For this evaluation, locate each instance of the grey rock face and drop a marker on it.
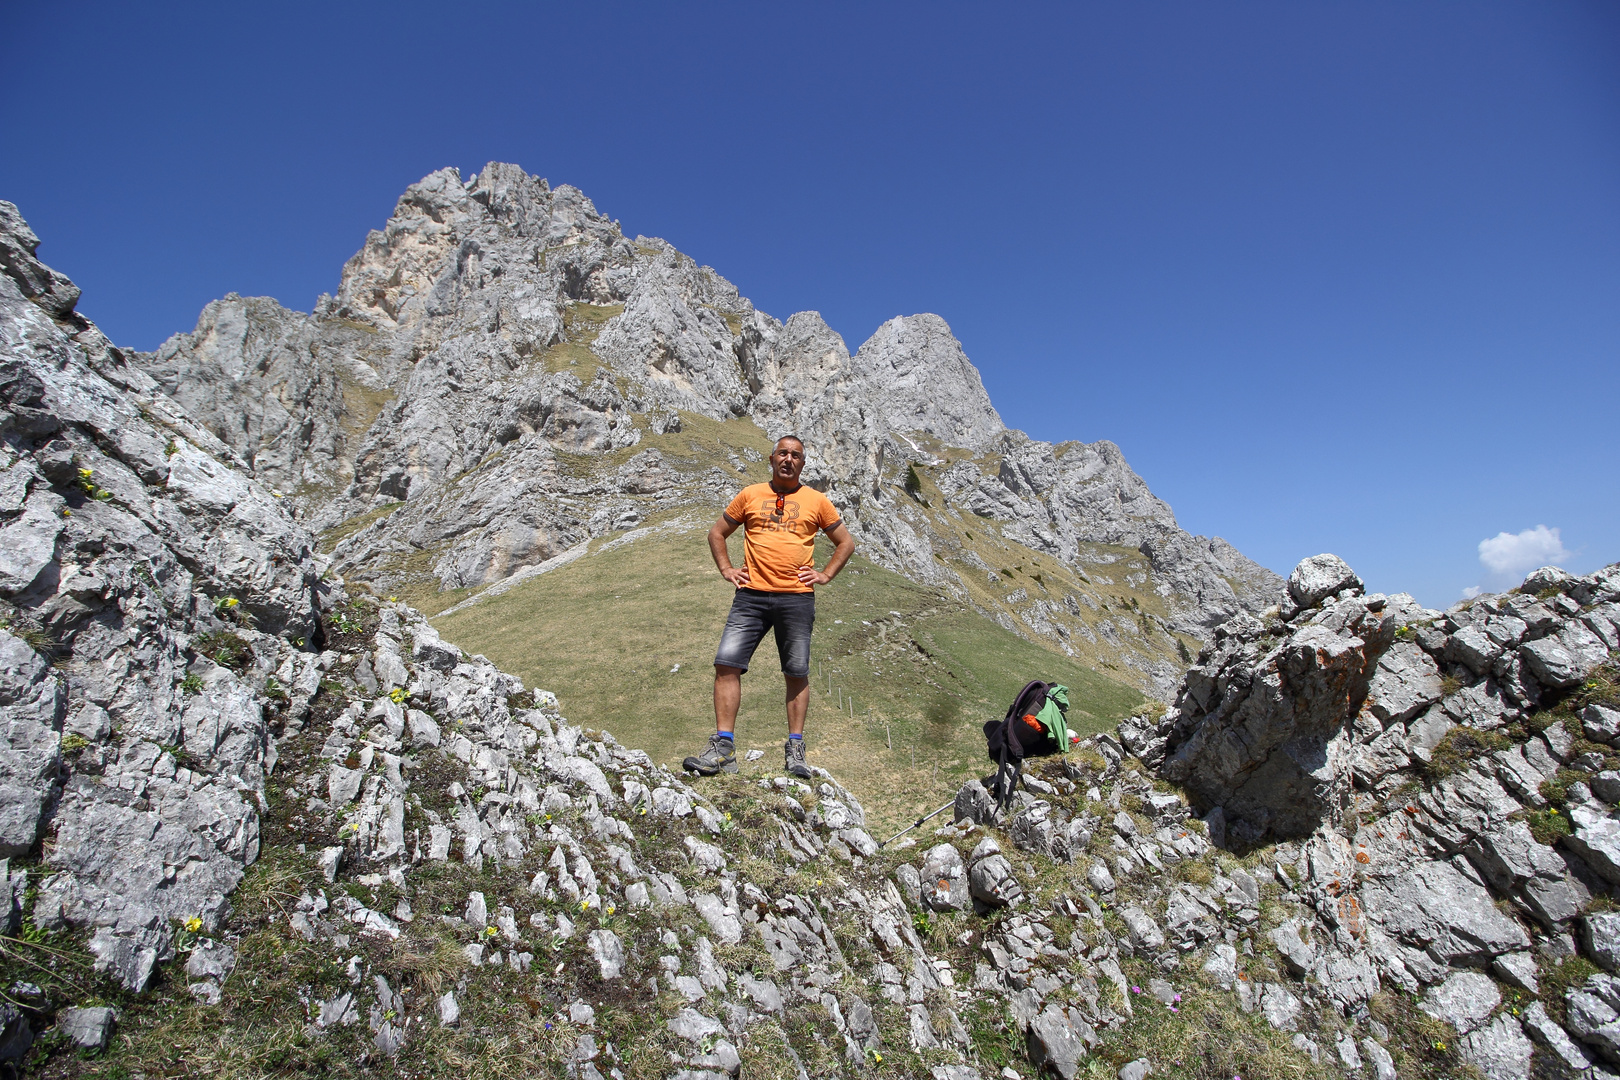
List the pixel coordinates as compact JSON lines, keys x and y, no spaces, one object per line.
{"x":288,"y":387}
{"x":1564,"y":660}
{"x":1267,"y":750}
{"x":1471,"y":646}
{"x":1144,"y":931}
{"x":1597,"y":840}
{"x":16,"y":1034}
{"x":1280,"y":1006}
{"x":1606,"y":786}
{"x":992,"y":883}
{"x":1054,"y":1045}
{"x":1434,"y":889}
{"x":129,"y":531}
{"x":1500,"y":1050}
{"x":1603,"y":939}
{"x":609,"y":953}
{"x":1405,"y":681}
{"x":1383,"y":1064}
{"x":90,"y":1029}
{"x":920,"y":380}
{"x":33,"y":703}
{"x":1464,"y":1001}
{"x":1296,"y":953}
{"x":1541,"y":1029}
{"x":1600,"y":724}
{"x":35,"y":281}
{"x":974,"y":803}
{"x":1437,"y":907}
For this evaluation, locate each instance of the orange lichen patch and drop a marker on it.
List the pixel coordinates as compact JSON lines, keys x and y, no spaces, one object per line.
{"x":1363,"y":857}
{"x":1350,"y":915}
{"x":1412,"y":810}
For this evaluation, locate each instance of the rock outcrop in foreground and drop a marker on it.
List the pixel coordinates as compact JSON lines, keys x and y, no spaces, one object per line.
{"x":1443,"y":785}
{"x":135,"y":552}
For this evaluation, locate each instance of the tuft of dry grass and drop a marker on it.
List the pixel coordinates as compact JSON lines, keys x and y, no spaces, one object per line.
{"x":1462,"y":745}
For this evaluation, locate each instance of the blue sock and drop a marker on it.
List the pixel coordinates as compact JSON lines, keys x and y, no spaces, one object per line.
{"x":795,"y":736}
{"x":724,"y":734}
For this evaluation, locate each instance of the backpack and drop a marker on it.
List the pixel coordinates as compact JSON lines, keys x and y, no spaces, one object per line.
{"x":1036,"y":725}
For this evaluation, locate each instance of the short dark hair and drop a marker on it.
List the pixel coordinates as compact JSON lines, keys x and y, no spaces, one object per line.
{"x":795,"y":438}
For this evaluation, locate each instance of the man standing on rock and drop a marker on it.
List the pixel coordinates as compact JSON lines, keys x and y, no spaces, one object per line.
{"x":775,"y":591}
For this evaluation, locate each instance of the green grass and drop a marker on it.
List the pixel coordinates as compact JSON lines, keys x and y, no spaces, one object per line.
{"x":576,"y":359}
{"x":605,"y":632}
{"x":1108,"y":582}
{"x":333,"y":536}
{"x":581,"y":324}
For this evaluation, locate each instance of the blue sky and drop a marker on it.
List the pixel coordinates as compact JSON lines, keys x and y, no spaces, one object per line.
{"x":1336,"y":277}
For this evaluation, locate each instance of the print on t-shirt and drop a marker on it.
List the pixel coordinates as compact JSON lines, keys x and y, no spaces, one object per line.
{"x":785,"y":521}
{"x":776,"y":543}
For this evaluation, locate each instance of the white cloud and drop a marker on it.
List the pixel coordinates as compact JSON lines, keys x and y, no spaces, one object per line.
{"x":1471,"y":592}
{"x":1513,"y":555}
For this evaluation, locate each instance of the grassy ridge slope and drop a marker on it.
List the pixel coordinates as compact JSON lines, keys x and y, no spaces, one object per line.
{"x":606,"y":633}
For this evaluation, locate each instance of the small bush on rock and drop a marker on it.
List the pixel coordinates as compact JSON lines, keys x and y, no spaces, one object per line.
{"x":224,"y":648}
{"x":1462,"y":745}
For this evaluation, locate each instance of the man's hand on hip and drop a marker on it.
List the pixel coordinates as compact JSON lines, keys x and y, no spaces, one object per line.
{"x":737,"y":575}
{"x":809,"y":575}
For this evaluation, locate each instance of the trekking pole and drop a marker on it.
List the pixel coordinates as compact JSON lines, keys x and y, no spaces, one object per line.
{"x":916,"y":823}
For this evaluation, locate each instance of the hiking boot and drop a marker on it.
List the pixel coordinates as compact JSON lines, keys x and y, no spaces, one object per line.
{"x":793,"y":759}
{"x":720,"y":753}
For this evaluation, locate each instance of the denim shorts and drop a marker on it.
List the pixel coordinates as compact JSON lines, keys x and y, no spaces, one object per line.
{"x":791,"y":615}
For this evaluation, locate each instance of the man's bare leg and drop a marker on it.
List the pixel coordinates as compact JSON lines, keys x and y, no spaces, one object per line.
{"x":798,"y":703}
{"x":728,"y":695}
{"x":721,"y":752}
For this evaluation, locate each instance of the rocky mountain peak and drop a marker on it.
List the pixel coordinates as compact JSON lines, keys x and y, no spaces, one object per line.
{"x":36,"y":281}
{"x":495,"y":323}
{"x":921,"y":380}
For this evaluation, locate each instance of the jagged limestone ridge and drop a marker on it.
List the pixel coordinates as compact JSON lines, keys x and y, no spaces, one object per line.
{"x":496,"y":323}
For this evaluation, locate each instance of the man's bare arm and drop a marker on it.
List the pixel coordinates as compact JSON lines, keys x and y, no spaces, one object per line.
{"x":718,"y":532}
{"x":839,"y":535}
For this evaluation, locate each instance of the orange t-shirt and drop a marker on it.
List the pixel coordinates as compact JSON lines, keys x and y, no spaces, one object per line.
{"x":776,"y":545}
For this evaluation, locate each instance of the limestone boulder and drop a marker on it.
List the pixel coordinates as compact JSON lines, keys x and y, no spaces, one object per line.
{"x":1273,"y":760}
{"x":944,"y":879}
{"x":1319,"y":577}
